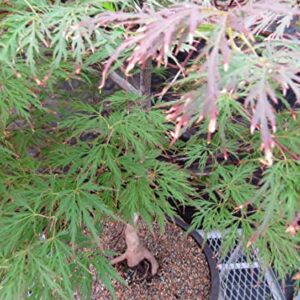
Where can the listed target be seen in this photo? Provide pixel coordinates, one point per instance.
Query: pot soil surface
(183, 270)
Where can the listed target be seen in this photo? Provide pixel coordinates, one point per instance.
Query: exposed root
(135, 252)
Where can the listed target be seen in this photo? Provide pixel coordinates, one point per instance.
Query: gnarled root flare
(135, 252)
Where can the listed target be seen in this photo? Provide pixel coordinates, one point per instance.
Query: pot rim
(212, 264)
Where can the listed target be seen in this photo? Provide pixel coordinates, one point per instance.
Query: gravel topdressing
(183, 271)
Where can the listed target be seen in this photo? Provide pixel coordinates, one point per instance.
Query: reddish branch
(293, 155)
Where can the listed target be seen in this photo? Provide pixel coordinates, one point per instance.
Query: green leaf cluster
(71, 156)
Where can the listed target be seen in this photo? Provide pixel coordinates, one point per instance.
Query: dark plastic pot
(214, 272)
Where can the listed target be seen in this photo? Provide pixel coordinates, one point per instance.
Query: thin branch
(123, 83)
(293, 155)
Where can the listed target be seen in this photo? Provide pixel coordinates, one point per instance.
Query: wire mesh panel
(242, 278)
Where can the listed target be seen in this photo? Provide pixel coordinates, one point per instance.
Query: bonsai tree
(75, 152)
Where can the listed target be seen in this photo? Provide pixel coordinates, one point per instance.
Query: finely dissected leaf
(72, 155)
(160, 31)
(16, 95)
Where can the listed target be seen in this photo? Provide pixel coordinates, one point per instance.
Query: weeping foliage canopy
(73, 155)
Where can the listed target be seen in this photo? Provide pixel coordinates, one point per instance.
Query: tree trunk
(145, 83)
(136, 252)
